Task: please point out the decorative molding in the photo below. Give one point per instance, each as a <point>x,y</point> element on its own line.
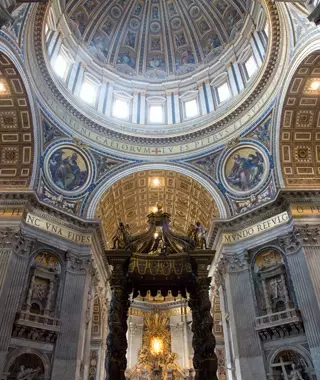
<point>77,264</point>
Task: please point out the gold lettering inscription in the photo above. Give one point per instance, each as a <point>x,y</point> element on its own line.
<point>302,209</point>
<point>64,232</point>
<point>256,228</point>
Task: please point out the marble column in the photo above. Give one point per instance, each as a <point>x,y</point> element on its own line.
<point>239,296</point>
<point>305,292</point>
<point>13,279</point>
<point>67,362</point>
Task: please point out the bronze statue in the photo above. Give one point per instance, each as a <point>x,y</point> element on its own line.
<point>121,238</point>
<point>198,234</point>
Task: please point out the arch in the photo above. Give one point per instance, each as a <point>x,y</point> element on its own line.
<point>15,354</point>
<point>18,122</point>
<point>208,185</point>
<point>300,350</point>
<point>281,139</point>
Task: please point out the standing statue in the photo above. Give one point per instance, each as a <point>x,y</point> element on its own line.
<point>121,238</point>
<point>295,374</point>
<point>27,373</point>
<point>200,236</point>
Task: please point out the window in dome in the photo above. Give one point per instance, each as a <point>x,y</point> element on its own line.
<point>61,66</point>
<point>46,30</point>
<point>266,29</point>
<point>191,108</point>
<point>156,114</point>
<point>88,92</point>
<point>120,109</point>
<point>251,66</point>
<point>223,92</point>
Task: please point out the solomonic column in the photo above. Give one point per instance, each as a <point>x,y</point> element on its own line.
<point>205,360</point>
<point>116,361</point>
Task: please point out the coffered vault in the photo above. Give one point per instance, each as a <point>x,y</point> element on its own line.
<point>134,196</point>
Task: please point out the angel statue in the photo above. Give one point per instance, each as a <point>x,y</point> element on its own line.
<point>295,374</point>
<point>200,236</point>
<point>121,237</point>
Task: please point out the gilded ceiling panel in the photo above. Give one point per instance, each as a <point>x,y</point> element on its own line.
<point>300,127</point>
<point>16,131</point>
<point>131,199</point>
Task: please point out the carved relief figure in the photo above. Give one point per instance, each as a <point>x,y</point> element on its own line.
<point>28,373</point>
<point>295,374</point>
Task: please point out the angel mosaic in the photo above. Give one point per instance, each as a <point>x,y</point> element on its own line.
<point>245,169</point>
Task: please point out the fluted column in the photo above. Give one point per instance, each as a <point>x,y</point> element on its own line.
<point>12,286</point>
<point>248,356</point>
<point>67,362</point>
<point>304,279</point>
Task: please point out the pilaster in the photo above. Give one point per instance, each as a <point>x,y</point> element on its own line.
<point>17,251</point>
<point>305,292</point>
<point>239,300</point>
<point>67,363</point>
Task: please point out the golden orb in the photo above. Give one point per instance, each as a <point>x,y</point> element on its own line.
<point>159,207</point>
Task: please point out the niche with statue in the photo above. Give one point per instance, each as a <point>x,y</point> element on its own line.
<point>27,367</point>
<point>43,284</point>
<point>37,318</point>
<point>271,283</point>
<point>291,365</point>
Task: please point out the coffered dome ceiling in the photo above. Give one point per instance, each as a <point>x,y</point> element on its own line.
<point>156,39</point>
<point>132,198</point>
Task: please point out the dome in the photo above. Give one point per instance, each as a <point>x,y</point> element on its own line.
<point>154,72</point>
<point>156,40</point>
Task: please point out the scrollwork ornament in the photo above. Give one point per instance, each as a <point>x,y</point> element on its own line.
<point>76,264</point>
<point>308,234</point>
<point>236,263</point>
<point>13,239</point>
<point>291,243</point>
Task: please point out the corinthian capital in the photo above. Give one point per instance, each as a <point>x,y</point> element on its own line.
<point>12,238</point>
<point>235,263</point>
<point>308,234</point>
<point>77,264</point>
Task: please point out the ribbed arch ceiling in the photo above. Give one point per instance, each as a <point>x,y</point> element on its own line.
<point>156,39</point>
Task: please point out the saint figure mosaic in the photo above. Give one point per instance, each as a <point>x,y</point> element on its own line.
<point>244,169</point>
<point>68,169</point>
